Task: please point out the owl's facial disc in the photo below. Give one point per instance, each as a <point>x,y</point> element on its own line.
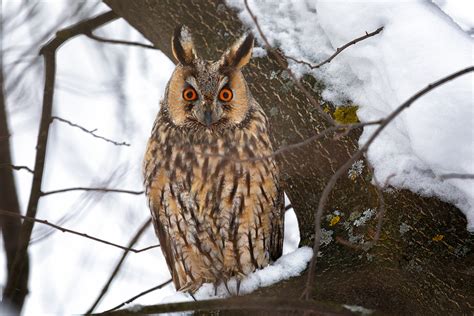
<point>208,103</point>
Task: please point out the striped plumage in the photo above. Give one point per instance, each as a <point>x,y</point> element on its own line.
<point>218,211</point>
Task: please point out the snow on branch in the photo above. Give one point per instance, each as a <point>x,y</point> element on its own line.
<point>358,154</point>
<point>91,132</point>
<point>66,230</point>
<point>338,50</point>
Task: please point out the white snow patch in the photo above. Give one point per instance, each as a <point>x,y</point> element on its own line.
<point>419,45</point>
<point>288,266</point>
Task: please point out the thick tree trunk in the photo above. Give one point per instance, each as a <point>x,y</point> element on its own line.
<point>423,261</point>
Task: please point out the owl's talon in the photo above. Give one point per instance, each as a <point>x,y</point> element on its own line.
<point>238,287</point>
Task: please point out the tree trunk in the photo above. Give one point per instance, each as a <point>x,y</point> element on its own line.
<point>9,202</point>
<point>423,261</point>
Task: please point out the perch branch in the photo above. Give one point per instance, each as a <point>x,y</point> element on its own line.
<point>92,189</point>
<point>91,132</point>
<point>358,154</point>
<point>239,304</point>
<point>66,230</point>
<point>338,50</point>
<point>132,243</point>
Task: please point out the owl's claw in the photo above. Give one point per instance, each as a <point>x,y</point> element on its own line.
<point>227,288</point>
<point>238,287</point>
<point>193,297</point>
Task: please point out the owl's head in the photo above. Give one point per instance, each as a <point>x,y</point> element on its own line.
<point>205,94</point>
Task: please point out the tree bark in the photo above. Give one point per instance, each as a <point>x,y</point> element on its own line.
<point>9,201</point>
<point>423,261</point>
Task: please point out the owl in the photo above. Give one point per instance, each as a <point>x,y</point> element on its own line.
<point>212,186</point>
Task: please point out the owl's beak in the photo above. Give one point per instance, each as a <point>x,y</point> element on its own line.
<point>207,114</point>
<point>208,118</point>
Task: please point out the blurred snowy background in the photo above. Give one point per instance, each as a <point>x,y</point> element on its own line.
<point>116,89</point>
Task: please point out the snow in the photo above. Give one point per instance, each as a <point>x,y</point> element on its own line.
<point>288,266</point>
<point>419,45</point>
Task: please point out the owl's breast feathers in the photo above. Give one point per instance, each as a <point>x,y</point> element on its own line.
<point>218,211</point>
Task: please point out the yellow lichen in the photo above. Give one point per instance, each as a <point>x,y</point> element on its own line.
<point>346,114</point>
<point>334,220</point>
<point>438,237</point>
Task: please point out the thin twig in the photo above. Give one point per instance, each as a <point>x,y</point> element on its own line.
<point>106,190</point>
<point>330,185</point>
<point>283,149</point>
<point>288,207</point>
<point>139,295</point>
<point>456,176</point>
<point>132,243</point>
<point>121,42</point>
<point>66,230</point>
<point>338,50</point>
<point>91,132</point>
<point>14,167</point>
<point>283,65</point>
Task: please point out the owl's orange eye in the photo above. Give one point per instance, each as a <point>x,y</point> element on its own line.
<point>189,94</point>
<point>225,95</point>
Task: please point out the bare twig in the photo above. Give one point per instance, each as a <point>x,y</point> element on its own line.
<point>338,50</point>
<point>106,190</point>
<point>132,243</point>
<point>240,304</point>
<point>283,64</point>
<point>283,149</point>
<point>49,53</point>
<point>91,132</point>
<point>356,156</point>
<point>456,176</point>
<point>66,230</point>
<point>14,167</point>
<point>113,41</point>
<point>139,295</point>
<point>288,207</point>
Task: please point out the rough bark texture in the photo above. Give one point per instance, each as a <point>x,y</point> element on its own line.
<point>423,263</point>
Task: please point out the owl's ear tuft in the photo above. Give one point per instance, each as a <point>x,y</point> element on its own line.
<point>239,54</point>
<point>183,46</point>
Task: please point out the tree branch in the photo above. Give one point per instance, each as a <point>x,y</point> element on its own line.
<point>240,303</point>
<point>92,189</point>
<point>132,243</point>
<point>112,41</point>
<point>342,170</point>
<point>138,295</point>
<point>14,167</point>
<point>66,230</point>
<point>49,53</point>
<point>91,132</point>
<point>338,50</point>
<point>456,176</point>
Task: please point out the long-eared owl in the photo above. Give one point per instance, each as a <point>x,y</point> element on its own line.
<point>212,185</point>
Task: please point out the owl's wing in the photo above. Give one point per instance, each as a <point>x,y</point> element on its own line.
<point>165,245</point>
<point>278,210</point>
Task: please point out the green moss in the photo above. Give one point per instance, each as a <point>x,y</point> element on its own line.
<point>346,114</point>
